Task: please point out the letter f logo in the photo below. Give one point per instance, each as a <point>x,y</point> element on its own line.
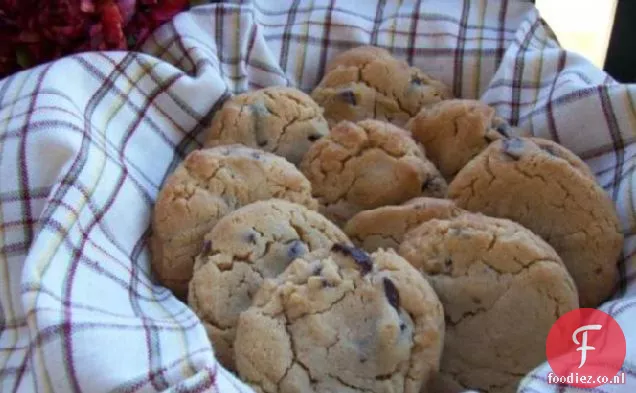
<point>584,347</point>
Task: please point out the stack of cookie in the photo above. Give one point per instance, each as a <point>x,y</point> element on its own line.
<point>380,235</point>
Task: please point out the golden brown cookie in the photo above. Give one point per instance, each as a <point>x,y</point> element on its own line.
<point>554,149</point>
<point>455,131</point>
<point>385,226</point>
<point>518,179</point>
<point>502,288</point>
<point>358,56</point>
<point>368,164</point>
<point>277,119</point>
<point>342,321</point>
<point>250,244</point>
<point>207,185</point>
<point>367,82</point>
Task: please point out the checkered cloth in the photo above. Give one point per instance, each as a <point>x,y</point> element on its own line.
<point>86,142</point>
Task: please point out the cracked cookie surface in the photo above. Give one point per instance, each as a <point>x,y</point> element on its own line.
<point>502,288</point>
<point>455,131</point>
<point>367,82</point>
<point>386,226</point>
<point>207,185</point>
<point>342,321</point>
<point>280,120</point>
<point>556,150</point>
<point>368,164</point>
<point>252,243</point>
<point>539,187</point>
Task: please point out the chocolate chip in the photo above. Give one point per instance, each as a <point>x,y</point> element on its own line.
<point>598,270</point>
<point>550,150</point>
<point>503,129</point>
<point>259,109</point>
<point>314,137</point>
<point>459,232</point>
<point>326,284</point>
<point>361,258</point>
<point>391,293</point>
<point>250,238</point>
<point>433,185</point>
<point>260,113</point>
<point>348,96</point>
<point>513,147</point>
<point>448,265</point>
<point>426,184</point>
<point>207,247</point>
<point>416,80</point>
<point>296,249</point>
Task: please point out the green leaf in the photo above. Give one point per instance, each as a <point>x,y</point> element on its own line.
<point>132,41</point>
<point>23,58</point>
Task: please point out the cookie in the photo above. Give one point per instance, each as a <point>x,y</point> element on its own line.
<point>358,56</point>
<point>502,288</point>
<point>277,119</point>
<point>342,321</point>
<point>368,164</point>
<point>521,180</point>
<point>207,185</point>
<point>246,246</point>
<point>554,149</point>
<point>385,226</point>
<point>367,82</point>
<point>455,131</point>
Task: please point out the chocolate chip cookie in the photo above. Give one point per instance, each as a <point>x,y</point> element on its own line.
<point>277,119</point>
<point>342,321</point>
<point>385,226</point>
<point>455,131</point>
<point>502,288</point>
<point>252,243</point>
<point>358,56</point>
<point>207,185</point>
<point>367,82</point>
<point>368,164</point>
<point>554,149</point>
<point>536,185</point>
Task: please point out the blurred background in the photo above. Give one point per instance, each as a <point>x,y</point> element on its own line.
<point>604,31</point>
<point>583,26</point>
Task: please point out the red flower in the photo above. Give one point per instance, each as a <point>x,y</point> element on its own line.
<point>150,15</point>
<point>36,31</point>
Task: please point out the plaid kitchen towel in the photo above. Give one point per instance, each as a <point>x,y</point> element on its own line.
<point>86,142</point>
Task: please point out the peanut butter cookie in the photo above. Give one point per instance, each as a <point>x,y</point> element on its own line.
<point>502,288</point>
<point>538,186</point>
<point>367,82</point>
<point>207,185</point>
<point>385,226</point>
<point>342,321</point>
<point>368,164</point>
<point>245,247</point>
<point>277,119</point>
<point>455,131</point>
